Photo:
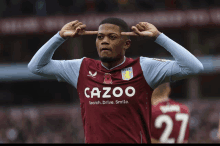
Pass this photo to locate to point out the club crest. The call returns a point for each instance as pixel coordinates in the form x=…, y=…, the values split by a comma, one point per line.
x=107, y=78
x=127, y=73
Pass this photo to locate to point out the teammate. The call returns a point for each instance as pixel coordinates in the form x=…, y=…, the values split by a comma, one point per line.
x=115, y=93
x=170, y=119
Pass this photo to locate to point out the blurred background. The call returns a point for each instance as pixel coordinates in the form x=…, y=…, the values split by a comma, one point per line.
x=34, y=109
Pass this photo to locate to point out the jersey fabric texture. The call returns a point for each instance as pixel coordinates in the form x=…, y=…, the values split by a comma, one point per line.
x=170, y=122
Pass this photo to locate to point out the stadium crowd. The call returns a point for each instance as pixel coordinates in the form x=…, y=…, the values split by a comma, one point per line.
x=204, y=121
x=41, y=125
x=13, y=8
x=62, y=124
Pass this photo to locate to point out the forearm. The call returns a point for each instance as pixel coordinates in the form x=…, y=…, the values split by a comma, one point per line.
x=45, y=53
x=186, y=61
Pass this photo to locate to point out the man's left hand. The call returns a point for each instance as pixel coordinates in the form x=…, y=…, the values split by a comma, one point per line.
x=146, y=29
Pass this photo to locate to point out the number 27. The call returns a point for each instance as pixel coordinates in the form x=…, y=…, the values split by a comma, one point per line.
x=169, y=127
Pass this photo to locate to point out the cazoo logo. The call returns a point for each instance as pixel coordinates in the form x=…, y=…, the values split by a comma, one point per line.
x=107, y=92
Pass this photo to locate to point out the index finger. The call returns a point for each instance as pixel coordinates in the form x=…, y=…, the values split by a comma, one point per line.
x=74, y=22
x=96, y=32
x=135, y=30
x=143, y=24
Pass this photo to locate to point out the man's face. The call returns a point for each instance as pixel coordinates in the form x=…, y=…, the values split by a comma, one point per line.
x=110, y=44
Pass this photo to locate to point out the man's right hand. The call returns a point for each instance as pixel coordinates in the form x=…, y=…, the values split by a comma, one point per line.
x=72, y=29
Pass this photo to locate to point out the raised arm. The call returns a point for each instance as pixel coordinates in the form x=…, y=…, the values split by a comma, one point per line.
x=42, y=63
x=158, y=71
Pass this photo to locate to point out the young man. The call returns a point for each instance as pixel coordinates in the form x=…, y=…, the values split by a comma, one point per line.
x=115, y=93
x=170, y=119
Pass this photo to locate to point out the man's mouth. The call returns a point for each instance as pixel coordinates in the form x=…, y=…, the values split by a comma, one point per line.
x=105, y=49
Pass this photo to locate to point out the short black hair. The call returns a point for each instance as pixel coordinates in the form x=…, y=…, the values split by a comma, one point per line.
x=117, y=21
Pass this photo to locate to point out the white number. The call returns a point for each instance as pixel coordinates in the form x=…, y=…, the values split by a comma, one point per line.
x=184, y=118
x=169, y=127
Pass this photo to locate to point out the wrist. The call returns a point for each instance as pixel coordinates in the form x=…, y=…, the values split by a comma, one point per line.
x=157, y=35
x=61, y=35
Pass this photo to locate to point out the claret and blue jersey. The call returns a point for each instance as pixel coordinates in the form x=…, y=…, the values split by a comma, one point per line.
x=115, y=103
x=170, y=122
x=114, y=110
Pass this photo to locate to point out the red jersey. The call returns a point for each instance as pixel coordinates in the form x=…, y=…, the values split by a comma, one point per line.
x=170, y=122
x=114, y=102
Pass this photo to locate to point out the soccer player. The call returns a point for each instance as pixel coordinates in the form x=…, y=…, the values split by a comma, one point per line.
x=115, y=93
x=170, y=119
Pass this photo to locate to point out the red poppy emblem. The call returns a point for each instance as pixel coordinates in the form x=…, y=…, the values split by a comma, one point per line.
x=107, y=78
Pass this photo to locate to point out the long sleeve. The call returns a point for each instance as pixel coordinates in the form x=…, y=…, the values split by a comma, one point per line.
x=157, y=71
x=43, y=65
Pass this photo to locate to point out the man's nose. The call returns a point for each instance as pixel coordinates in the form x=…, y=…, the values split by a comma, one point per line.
x=105, y=40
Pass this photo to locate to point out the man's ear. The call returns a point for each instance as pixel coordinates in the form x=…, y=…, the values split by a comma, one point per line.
x=127, y=44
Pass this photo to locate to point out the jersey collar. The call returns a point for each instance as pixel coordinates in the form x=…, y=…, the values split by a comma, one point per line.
x=115, y=66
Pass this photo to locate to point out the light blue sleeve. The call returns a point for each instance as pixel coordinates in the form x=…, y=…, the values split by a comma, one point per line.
x=63, y=70
x=157, y=71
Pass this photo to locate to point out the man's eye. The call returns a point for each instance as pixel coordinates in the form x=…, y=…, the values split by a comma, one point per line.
x=112, y=37
x=100, y=37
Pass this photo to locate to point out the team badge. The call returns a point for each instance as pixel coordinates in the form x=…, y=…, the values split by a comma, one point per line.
x=127, y=73
x=107, y=78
